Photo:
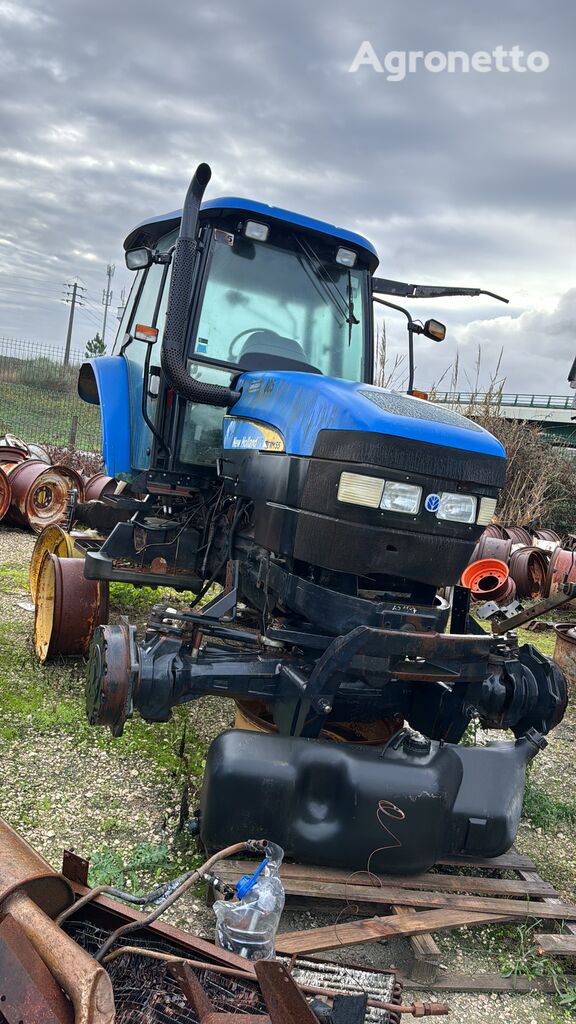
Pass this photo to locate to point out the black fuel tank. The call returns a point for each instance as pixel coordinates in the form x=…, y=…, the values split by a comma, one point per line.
x=394, y=810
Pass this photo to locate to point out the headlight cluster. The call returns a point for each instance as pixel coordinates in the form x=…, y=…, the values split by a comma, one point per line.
x=396, y=496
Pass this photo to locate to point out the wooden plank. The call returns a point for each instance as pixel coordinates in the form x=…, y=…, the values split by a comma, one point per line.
x=426, y=955
x=390, y=895
x=349, y=881
x=511, y=861
x=352, y=933
x=529, y=876
x=423, y=946
x=448, y=982
x=559, y=945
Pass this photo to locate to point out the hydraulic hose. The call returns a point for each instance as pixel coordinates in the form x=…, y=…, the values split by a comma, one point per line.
x=172, y=353
x=255, y=845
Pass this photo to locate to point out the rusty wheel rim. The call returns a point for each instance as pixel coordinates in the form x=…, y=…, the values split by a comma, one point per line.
x=5, y=494
x=68, y=607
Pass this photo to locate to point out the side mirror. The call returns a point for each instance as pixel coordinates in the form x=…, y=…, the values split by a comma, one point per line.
x=139, y=259
x=435, y=330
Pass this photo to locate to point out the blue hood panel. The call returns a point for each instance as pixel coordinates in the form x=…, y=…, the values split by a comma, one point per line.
x=300, y=405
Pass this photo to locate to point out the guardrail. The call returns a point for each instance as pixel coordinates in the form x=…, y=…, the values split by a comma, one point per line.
x=468, y=398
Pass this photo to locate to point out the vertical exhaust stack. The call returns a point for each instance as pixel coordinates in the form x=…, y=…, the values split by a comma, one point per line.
x=172, y=354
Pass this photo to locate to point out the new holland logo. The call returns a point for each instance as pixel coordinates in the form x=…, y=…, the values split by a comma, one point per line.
x=432, y=503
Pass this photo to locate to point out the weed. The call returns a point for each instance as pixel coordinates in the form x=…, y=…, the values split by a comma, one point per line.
x=470, y=737
x=545, y=811
x=107, y=867
x=527, y=962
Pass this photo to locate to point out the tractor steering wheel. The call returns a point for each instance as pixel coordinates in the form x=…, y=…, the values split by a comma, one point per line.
x=237, y=337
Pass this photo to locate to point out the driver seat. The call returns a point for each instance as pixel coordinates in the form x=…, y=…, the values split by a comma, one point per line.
x=267, y=350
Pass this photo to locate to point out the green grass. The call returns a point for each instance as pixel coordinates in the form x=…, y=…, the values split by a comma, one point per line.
x=12, y=578
x=42, y=699
x=44, y=416
x=545, y=811
x=138, y=601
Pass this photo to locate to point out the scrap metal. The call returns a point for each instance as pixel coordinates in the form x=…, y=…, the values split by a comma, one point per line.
x=33, y=894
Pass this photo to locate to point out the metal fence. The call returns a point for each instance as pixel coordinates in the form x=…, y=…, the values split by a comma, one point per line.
x=38, y=397
x=472, y=398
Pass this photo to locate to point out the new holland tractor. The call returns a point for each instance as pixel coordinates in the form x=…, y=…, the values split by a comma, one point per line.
x=323, y=524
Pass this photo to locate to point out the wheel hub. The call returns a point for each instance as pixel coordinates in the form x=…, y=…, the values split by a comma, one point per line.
x=111, y=672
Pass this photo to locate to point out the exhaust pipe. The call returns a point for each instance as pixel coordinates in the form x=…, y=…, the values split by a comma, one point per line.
x=172, y=354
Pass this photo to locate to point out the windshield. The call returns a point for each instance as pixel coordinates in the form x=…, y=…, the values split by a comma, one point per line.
x=266, y=307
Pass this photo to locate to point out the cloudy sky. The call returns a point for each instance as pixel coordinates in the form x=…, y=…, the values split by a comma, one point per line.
x=458, y=178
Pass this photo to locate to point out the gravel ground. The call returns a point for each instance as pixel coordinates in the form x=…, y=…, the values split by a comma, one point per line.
x=65, y=785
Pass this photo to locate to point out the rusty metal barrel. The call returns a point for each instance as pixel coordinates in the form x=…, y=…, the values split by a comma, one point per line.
x=5, y=493
x=565, y=653
x=68, y=607
x=55, y=540
x=12, y=449
x=24, y=869
x=491, y=547
x=494, y=530
x=518, y=535
x=562, y=564
x=528, y=569
x=40, y=493
x=98, y=486
x=547, y=540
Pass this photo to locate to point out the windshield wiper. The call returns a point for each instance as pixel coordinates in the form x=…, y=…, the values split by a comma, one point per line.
x=328, y=287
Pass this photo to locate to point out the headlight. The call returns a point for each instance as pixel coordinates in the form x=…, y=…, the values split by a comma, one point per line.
x=458, y=508
x=360, y=490
x=398, y=497
x=486, y=511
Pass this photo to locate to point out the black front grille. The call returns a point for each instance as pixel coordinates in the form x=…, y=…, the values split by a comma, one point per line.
x=409, y=456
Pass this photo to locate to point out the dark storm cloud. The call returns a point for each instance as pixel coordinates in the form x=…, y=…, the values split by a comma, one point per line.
x=107, y=107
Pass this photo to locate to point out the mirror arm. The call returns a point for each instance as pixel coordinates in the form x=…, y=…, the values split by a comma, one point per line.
x=412, y=330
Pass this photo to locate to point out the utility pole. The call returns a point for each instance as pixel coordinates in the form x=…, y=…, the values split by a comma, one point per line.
x=71, y=296
x=122, y=306
x=107, y=297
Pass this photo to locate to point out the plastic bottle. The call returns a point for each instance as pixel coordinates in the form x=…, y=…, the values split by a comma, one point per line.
x=248, y=925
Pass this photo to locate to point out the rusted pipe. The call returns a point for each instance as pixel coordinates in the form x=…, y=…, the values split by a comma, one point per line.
x=33, y=893
x=84, y=981
x=23, y=869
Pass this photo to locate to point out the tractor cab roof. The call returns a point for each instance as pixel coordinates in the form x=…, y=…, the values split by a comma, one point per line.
x=149, y=231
